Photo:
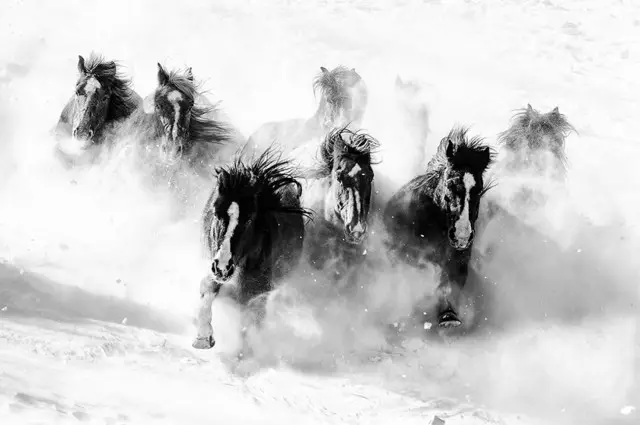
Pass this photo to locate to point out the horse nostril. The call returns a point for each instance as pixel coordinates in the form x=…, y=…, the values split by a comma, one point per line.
x=90, y=133
x=215, y=266
x=452, y=234
x=349, y=228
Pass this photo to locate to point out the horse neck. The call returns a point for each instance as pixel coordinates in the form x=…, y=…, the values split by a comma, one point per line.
x=319, y=120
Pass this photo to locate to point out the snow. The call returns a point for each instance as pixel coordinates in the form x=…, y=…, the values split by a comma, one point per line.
x=99, y=278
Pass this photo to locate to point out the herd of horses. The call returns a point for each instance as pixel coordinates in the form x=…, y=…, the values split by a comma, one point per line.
x=266, y=213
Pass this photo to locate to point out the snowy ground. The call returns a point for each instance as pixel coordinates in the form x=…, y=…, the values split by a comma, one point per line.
x=99, y=279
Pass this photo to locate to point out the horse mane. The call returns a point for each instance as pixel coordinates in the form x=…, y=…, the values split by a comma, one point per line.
x=527, y=122
x=264, y=177
x=123, y=100
x=202, y=127
x=332, y=84
x=359, y=147
x=465, y=158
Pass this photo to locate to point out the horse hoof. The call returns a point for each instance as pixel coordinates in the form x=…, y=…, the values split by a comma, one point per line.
x=204, y=343
x=449, y=319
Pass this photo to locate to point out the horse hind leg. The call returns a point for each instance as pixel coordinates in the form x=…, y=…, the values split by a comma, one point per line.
x=209, y=288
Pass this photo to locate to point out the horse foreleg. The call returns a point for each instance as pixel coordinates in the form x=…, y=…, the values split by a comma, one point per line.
x=452, y=280
x=253, y=318
x=209, y=288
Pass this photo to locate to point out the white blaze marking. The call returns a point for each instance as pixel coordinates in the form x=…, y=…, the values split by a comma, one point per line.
x=174, y=98
x=91, y=86
x=463, y=225
x=355, y=170
x=224, y=253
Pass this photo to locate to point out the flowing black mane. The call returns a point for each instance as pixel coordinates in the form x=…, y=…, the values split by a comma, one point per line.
x=264, y=177
x=203, y=127
x=123, y=98
x=468, y=155
x=529, y=126
x=359, y=147
x=332, y=84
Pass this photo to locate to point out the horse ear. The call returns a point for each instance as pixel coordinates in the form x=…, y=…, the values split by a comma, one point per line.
x=81, y=67
x=486, y=155
x=189, y=74
x=529, y=108
x=149, y=104
x=556, y=111
x=324, y=70
x=450, y=149
x=163, y=77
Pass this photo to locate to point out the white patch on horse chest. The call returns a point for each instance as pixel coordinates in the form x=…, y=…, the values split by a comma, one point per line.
x=224, y=253
x=463, y=225
x=174, y=98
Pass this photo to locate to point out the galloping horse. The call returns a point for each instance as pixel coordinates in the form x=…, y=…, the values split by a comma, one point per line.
x=103, y=99
x=253, y=228
x=338, y=189
x=182, y=126
x=535, y=161
x=343, y=102
x=536, y=142
x=432, y=217
x=535, y=154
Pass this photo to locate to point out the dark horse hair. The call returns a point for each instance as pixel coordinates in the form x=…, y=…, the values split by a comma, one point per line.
x=360, y=148
x=262, y=180
x=123, y=99
x=531, y=125
x=466, y=156
x=202, y=127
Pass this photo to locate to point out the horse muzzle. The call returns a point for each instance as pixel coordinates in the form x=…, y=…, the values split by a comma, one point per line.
x=355, y=235
x=222, y=274
x=83, y=135
x=460, y=243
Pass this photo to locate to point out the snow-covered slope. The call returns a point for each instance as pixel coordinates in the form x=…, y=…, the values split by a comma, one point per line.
x=100, y=275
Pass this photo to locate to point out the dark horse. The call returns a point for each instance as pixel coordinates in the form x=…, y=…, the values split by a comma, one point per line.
x=338, y=190
x=432, y=217
x=253, y=227
x=181, y=126
x=103, y=99
x=343, y=102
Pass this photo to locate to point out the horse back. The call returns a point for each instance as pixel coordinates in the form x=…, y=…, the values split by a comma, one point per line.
x=287, y=249
x=287, y=135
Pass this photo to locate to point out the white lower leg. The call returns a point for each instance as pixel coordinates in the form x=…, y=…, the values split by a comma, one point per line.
x=203, y=319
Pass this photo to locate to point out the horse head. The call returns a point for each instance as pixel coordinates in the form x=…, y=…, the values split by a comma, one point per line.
x=462, y=185
x=239, y=231
x=173, y=103
x=536, y=141
x=92, y=97
x=344, y=97
x=348, y=154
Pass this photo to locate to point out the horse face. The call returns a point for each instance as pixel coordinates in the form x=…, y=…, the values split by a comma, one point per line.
x=90, y=109
x=225, y=235
x=174, y=112
x=352, y=184
x=462, y=202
